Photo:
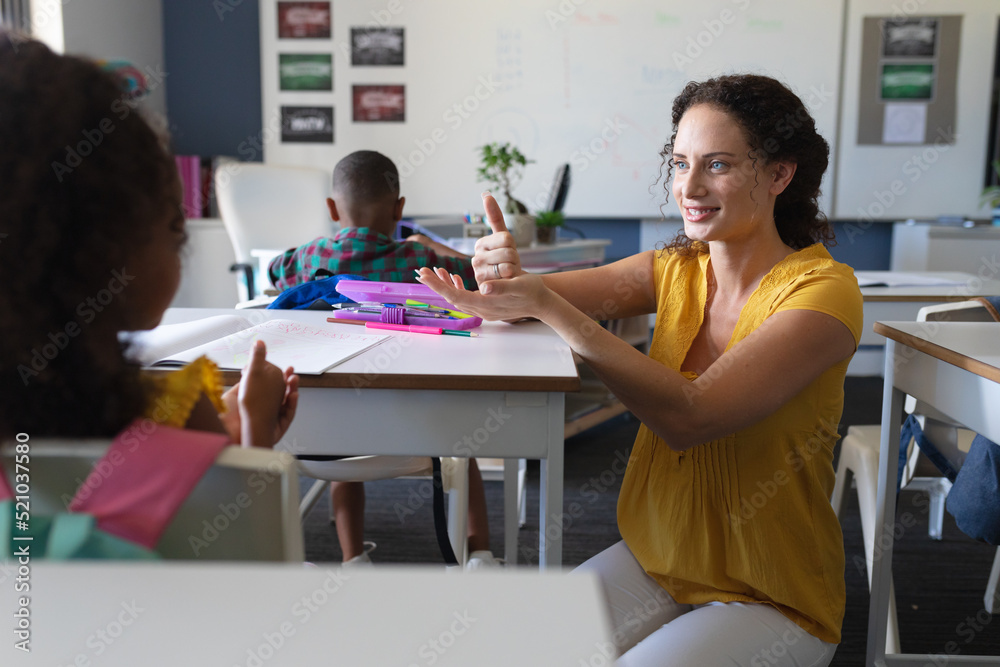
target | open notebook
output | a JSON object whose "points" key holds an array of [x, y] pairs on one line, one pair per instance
{"points": [[228, 339]]}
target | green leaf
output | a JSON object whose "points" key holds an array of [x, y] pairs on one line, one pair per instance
{"points": [[991, 195], [549, 219], [502, 166]]}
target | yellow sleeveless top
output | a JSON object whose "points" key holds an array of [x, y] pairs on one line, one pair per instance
{"points": [[747, 517], [178, 392]]}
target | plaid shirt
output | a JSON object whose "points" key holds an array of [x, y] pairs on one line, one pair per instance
{"points": [[364, 252]]}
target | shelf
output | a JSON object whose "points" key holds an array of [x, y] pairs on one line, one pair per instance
{"points": [[591, 419], [595, 404]]}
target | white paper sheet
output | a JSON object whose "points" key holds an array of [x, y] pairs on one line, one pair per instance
{"points": [[904, 123]]}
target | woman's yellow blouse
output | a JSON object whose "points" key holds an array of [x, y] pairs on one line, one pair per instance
{"points": [[177, 393], [747, 517]]}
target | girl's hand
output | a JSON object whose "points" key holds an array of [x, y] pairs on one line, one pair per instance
{"points": [[290, 403], [231, 417], [496, 255], [267, 399], [516, 298]]}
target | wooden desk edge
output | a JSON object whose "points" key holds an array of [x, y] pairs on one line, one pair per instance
{"points": [[921, 298], [429, 382], [938, 352], [954, 297]]}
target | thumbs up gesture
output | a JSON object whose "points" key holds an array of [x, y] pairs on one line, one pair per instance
{"points": [[496, 255], [506, 291]]}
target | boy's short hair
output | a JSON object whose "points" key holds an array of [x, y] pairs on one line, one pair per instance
{"points": [[366, 177]]}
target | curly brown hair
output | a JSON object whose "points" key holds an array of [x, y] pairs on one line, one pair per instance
{"points": [[778, 128], [83, 177]]}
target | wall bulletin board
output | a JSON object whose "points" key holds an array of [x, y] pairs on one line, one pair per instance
{"points": [[909, 71]]}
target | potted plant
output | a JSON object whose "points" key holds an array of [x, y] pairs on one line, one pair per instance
{"points": [[502, 166], [547, 224], [991, 195]]}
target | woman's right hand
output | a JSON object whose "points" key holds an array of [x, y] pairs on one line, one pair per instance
{"points": [[507, 300], [496, 255]]}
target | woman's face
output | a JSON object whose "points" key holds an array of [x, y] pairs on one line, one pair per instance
{"points": [[721, 196]]}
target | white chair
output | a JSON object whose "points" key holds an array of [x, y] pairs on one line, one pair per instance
{"points": [[859, 454], [454, 477], [265, 526], [454, 481], [270, 208]]}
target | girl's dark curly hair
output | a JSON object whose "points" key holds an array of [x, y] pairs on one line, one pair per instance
{"points": [[83, 177], [778, 128]]}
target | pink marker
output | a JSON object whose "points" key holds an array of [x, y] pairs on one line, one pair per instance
{"points": [[412, 328]]}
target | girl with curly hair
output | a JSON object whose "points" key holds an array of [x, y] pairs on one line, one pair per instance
{"points": [[91, 234]]}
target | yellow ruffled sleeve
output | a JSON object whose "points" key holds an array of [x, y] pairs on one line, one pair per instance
{"points": [[177, 393]]}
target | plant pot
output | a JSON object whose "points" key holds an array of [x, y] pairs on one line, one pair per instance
{"points": [[996, 216], [546, 235], [522, 226]]}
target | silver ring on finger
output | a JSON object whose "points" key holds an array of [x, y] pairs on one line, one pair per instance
{"points": [[496, 271]]}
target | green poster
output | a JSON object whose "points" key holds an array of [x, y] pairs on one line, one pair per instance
{"points": [[305, 71], [907, 82]]}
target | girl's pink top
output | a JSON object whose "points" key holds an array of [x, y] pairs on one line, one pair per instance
{"points": [[136, 488]]}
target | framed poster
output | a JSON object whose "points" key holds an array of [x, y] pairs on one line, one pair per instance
{"points": [[305, 71], [377, 46], [304, 20], [379, 103], [911, 37], [906, 81], [307, 125]]}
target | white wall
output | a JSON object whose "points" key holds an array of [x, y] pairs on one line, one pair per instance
{"points": [[120, 29], [46, 23], [589, 83]]}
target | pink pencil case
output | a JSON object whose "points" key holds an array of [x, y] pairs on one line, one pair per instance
{"points": [[400, 303]]}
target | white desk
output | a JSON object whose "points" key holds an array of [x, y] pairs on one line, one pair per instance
{"points": [[954, 367], [883, 304], [499, 395], [127, 615]]}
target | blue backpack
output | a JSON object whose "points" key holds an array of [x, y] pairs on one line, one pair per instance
{"points": [[320, 293]]}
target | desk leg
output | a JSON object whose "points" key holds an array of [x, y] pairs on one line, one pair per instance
{"points": [[510, 511], [550, 506], [892, 412]]}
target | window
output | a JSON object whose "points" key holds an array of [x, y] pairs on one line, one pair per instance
{"points": [[14, 14]]}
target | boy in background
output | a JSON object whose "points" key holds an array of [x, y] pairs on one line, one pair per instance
{"points": [[367, 205]]}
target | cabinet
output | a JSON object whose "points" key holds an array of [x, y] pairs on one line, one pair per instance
{"points": [[594, 404], [206, 281], [928, 247]]}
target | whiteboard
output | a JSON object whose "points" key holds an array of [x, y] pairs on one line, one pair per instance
{"points": [[589, 83]]}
